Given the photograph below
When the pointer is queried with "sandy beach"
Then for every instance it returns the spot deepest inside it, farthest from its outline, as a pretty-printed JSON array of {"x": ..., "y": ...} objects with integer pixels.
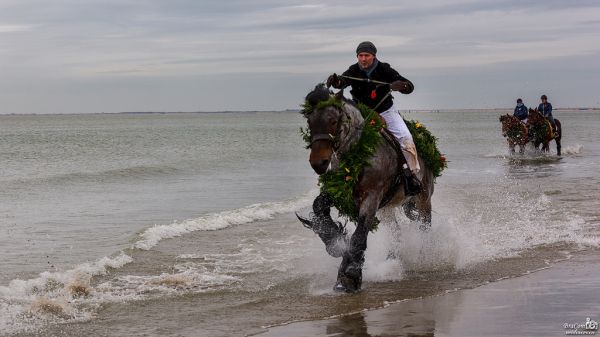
[{"x": 551, "y": 302}]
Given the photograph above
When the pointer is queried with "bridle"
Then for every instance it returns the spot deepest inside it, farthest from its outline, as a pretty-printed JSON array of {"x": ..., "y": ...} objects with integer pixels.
[{"x": 333, "y": 139}]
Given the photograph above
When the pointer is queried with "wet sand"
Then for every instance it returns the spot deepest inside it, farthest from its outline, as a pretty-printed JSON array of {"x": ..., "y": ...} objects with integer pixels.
[{"x": 538, "y": 304}]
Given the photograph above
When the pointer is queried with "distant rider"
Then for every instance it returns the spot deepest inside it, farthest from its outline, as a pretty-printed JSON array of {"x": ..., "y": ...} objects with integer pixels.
[
  {"x": 545, "y": 108},
  {"x": 521, "y": 111},
  {"x": 378, "y": 97}
]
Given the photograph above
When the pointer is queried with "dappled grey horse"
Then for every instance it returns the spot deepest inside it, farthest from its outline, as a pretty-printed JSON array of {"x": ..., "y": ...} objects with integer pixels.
[{"x": 333, "y": 130}]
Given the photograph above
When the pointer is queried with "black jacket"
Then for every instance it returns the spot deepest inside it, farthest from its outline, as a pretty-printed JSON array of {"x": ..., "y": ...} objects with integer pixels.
[{"x": 369, "y": 93}]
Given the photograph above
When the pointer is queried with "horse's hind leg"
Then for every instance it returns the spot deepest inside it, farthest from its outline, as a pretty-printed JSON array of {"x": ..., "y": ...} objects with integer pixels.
[
  {"x": 421, "y": 204},
  {"x": 410, "y": 210},
  {"x": 558, "y": 147}
]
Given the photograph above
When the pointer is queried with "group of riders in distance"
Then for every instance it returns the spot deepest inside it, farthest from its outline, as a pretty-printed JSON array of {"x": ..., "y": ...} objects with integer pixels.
[{"x": 532, "y": 125}]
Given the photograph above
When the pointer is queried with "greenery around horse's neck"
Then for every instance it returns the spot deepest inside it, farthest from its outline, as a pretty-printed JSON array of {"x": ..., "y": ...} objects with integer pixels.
[
  {"x": 539, "y": 130},
  {"x": 339, "y": 184},
  {"x": 515, "y": 130}
]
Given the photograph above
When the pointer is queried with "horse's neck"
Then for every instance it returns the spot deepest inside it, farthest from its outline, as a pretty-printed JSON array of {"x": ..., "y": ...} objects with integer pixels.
[{"x": 351, "y": 128}]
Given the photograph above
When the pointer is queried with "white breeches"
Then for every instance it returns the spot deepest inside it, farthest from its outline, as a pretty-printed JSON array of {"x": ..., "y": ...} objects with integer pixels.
[{"x": 398, "y": 128}]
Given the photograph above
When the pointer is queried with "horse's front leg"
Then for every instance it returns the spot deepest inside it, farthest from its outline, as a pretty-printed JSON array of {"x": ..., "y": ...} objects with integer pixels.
[{"x": 350, "y": 272}]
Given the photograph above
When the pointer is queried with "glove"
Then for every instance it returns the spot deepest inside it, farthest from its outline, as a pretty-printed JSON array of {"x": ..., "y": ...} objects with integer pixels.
[
  {"x": 333, "y": 81},
  {"x": 401, "y": 86}
]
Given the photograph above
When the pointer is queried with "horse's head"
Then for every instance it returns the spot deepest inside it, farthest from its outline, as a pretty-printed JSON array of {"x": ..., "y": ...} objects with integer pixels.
[
  {"x": 507, "y": 122},
  {"x": 324, "y": 125},
  {"x": 535, "y": 116}
]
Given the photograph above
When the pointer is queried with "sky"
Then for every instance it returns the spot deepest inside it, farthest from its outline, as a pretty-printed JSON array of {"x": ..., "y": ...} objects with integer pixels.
[{"x": 91, "y": 56}]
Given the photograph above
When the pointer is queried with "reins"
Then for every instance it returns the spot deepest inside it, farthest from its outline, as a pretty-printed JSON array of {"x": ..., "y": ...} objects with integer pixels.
[{"x": 368, "y": 80}]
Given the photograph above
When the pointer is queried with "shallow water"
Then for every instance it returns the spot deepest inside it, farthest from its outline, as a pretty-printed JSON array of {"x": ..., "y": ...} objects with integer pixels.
[{"x": 182, "y": 224}]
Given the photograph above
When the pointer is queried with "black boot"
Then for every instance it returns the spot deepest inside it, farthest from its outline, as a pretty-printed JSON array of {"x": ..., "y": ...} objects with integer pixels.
[{"x": 412, "y": 184}]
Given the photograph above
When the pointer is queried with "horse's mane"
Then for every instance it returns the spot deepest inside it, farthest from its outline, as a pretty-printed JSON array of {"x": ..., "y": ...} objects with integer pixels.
[{"x": 322, "y": 94}]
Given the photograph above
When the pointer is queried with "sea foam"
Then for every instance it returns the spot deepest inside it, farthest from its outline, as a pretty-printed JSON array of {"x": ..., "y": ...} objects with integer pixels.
[{"x": 264, "y": 211}]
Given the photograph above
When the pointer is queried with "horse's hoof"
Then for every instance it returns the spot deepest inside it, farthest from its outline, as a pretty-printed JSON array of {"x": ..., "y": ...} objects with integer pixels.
[
  {"x": 341, "y": 288},
  {"x": 350, "y": 279}
]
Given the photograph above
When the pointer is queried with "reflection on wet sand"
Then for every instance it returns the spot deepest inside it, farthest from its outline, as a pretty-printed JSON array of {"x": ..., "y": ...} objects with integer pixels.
[{"x": 538, "y": 304}]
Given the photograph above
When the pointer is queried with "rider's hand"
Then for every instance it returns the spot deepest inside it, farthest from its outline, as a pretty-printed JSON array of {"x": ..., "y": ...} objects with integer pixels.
[
  {"x": 402, "y": 86},
  {"x": 333, "y": 81}
]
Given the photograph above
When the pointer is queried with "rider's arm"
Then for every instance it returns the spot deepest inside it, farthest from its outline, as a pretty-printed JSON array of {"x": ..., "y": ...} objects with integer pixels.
[{"x": 399, "y": 82}]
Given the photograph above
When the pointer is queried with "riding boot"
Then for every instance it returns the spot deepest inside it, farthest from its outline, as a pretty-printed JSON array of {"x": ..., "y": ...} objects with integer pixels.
[{"x": 412, "y": 184}]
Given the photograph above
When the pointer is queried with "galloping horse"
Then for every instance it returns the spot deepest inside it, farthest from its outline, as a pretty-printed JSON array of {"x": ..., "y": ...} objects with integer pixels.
[
  {"x": 334, "y": 129},
  {"x": 540, "y": 131},
  {"x": 515, "y": 132}
]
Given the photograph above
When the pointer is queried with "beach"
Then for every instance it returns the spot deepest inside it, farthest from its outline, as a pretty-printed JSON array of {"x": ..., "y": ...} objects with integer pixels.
[
  {"x": 553, "y": 301},
  {"x": 185, "y": 225}
]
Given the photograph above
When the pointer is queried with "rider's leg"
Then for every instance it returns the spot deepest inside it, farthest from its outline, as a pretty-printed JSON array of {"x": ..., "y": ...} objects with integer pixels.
[
  {"x": 410, "y": 154},
  {"x": 551, "y": 119},
  {"x": 410, "y": 164}
]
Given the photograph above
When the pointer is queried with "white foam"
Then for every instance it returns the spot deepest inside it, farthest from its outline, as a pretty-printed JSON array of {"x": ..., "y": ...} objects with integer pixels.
[
  {"x": 458, "y": 239},
  {"x": 195, "y": 279},
  {"x": 264, "y": 211},
  {"x": 572, "y": 150},
  {"x": 51, "y": 297}
]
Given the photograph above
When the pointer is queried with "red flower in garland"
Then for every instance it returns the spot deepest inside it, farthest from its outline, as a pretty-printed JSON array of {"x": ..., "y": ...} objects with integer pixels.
[
  {"x": 373, "y": 122},
  {"x": 348, "y": 178},
  {"x": 442, "y": 158}
]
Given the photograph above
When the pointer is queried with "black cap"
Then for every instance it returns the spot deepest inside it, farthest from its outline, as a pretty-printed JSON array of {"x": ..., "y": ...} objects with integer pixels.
[
  {"x": 544, "y": 97},
  {"x": 519, "y": 100},
  {"x": 366, "y": 47}
]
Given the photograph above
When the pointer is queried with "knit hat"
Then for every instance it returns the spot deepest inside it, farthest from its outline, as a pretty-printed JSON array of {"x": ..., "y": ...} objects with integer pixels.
[{"x": 366, "y": 47}]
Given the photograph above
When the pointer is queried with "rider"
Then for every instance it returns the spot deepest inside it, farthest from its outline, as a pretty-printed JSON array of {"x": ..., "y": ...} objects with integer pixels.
[
  {"x": 377, "y": 96},
  {"x": 545, "y": 108},
  {"x": 521, "y": 111}
]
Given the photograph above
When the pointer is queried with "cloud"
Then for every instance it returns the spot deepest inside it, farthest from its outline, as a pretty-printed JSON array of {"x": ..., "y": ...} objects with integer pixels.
[
  {"x": 14, "y": 28},
  {"x": 130, "y": 41}
]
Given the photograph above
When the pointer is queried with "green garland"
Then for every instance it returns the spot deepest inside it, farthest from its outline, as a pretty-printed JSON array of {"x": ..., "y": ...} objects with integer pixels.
[
  {"x": 539, "y": 131},
  {"x": 516, "y": 132},
  {"x": 426, "y": 145},
  {"x": 340, "y": 184}
]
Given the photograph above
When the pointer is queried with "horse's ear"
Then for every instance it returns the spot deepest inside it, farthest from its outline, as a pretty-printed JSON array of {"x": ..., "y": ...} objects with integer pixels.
[{"x": 340, "y": 94}]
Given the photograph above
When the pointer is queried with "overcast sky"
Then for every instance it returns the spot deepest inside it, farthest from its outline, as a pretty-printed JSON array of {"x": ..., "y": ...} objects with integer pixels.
[{"x": 79, "y": 56}]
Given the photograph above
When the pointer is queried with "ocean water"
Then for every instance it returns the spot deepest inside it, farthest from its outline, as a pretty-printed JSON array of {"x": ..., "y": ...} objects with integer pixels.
[{"x": 184, "y": 225}]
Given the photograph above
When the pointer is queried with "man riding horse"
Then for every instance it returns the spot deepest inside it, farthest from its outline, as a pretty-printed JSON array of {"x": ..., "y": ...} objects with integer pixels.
[
  {"x": 372, "y": 82},
  {"x": 545, "y": 108}
]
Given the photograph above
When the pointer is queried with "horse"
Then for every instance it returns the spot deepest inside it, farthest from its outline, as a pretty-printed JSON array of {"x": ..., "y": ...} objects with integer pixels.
[
  {"x": 540, "y": 131},
  {"x": 334, "y": 129},
  {"x": 515, "y": 132}
]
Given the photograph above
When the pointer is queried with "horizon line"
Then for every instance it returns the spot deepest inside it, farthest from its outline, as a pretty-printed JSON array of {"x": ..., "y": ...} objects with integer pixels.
[{"x": 270, "y": 110}]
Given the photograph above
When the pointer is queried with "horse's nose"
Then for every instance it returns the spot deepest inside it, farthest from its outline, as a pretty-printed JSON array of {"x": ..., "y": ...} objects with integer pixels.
[{"x": 320, "y": 166}]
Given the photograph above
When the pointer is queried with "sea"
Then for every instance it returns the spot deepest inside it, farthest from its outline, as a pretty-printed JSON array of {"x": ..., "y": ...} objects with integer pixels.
[{"x": 184, "y": 224}]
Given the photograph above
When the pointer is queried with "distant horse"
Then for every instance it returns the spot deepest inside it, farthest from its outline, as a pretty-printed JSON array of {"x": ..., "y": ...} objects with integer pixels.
[
  {"x": 333, "y": 130},
  {"x": 515, "y": 132},
  {"x": 540, "y": 131}
]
